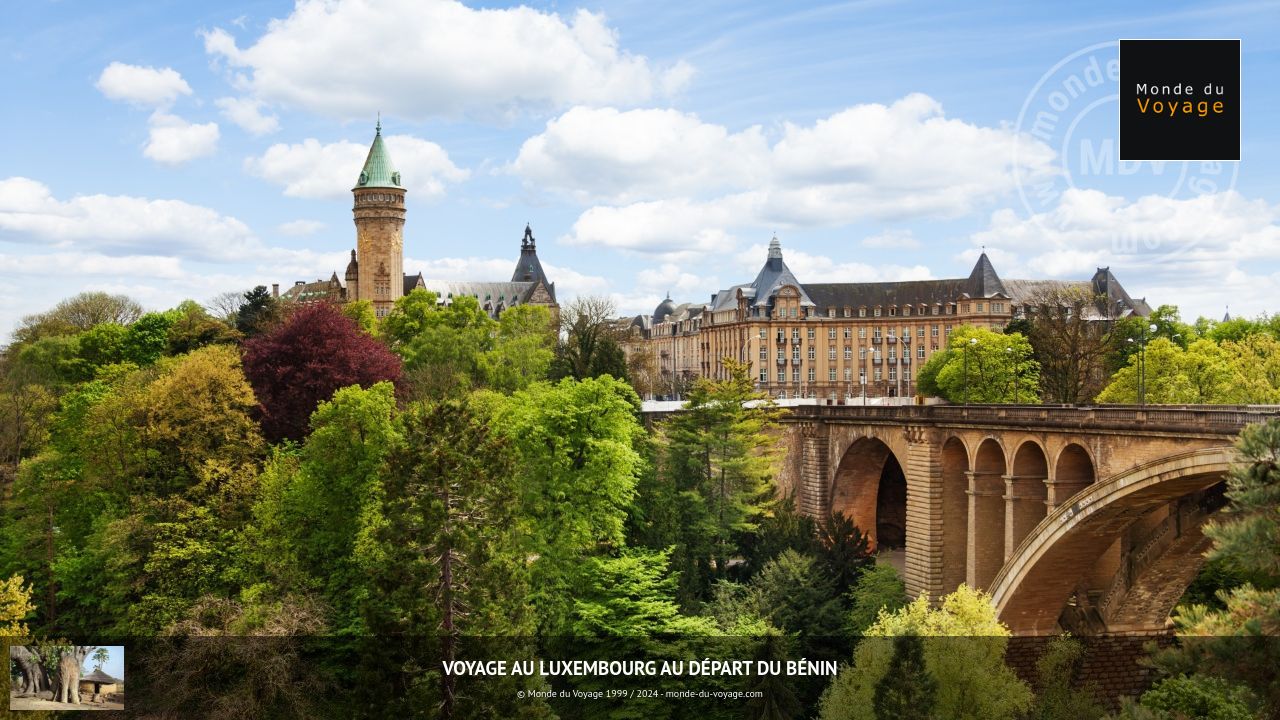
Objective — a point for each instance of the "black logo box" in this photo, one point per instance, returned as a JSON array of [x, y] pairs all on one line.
[[1160, 77]]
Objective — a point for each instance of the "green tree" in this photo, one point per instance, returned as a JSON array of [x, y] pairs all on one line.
[[843, 550], [720, 458], [147, 338], [78, 313], [442, 345], [1055, 698], [522, 349], [193, 327], [361, 311], [101, 345], [983, 366], [1198, 698], [257, 311], [796, 595], [907, 689], [1237, 643], [15, 606], [574, 478], [1166, 377], [590, 347], [878, 589], [630, 595], [1255, 367], [964, 647]]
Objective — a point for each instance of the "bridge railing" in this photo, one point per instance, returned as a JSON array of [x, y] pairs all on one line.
[[1210, 418]]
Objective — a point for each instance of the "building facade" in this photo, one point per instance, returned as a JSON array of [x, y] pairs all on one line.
[[376, 270], [835, 340]]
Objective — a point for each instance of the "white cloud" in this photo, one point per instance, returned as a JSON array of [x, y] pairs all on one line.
[[892, 240], [665, 179], [300, 227], [142, 85], [95, 264], [1187, 251], [674, 279], [347, 58], [174, 141], [248, 114], [118, 224], [313, 170], [810, 268], [619, 157]]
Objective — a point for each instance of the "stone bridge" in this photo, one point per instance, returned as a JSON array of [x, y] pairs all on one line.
[[1079, 518]]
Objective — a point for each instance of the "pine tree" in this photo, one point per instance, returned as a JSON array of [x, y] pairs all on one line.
[[907, 689]]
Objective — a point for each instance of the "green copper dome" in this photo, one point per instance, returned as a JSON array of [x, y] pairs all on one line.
[[378, 171]]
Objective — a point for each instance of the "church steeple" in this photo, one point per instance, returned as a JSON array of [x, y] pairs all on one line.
[[528, 268]]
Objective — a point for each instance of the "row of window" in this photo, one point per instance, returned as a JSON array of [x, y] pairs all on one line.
[[848, 353], [791, 310], [877, 375], [811, 333]]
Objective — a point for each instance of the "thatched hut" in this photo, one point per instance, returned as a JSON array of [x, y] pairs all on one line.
[[97, 685]]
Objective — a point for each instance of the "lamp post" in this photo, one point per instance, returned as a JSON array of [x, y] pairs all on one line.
[[972, 342], [1142, 362], [1013, 375]]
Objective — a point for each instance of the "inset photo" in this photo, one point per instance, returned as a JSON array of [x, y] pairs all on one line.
[[66, 677]]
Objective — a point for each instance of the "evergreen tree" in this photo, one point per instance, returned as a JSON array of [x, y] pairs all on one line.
[[720, 459], [907, 689], [257, 312]]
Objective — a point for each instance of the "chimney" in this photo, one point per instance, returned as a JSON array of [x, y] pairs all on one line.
[[275, 289]]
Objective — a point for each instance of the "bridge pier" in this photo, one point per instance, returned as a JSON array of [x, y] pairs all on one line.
[[926, 524], [986, 526], [1024, 508]]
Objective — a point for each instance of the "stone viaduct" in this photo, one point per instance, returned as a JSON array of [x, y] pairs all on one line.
[[1086, 519]]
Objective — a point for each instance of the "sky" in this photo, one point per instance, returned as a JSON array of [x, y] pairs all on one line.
[[114, 666], [171, 150]]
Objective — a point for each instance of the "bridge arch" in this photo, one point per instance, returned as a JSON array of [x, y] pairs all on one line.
[[870, 487], [986, 512], [955, 512], [1033, 587], [1073, 470], [1026, 493]]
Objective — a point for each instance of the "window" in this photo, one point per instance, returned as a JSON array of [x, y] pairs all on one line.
[[764, 353], [979, 307], [848, 333], [813, 352], [793, 311], [948, 332], [934, 348], [862, 333], [764, 375], [877, 312], [893, 354], [879, 375], [933, 331], [795, 353], [966, 308], [795, 375], [764, 334], [831, 312], [831, 375], [831, 333], [862, 376], [893, 310], [906, 310], [920, 351], [811, 331], [848, 353], [862, 312], [782, 376], [831, 353], [920, 331], [875, 334], [893, 374], [997, 307], [812, 375], [862, 353], [906, 375], [795, 334]]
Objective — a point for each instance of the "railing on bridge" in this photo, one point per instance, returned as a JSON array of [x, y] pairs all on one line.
[[1210, 418]]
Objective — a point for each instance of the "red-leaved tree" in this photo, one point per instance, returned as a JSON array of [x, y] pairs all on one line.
[[301, 362]]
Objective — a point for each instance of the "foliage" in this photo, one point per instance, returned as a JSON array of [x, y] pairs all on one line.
[[300, 363], [1244, 371], [720, 459], [780, 528], [590, 348], [192, 328], [1070, 342], [15, 606], [1055, 698], [631, 595], [76, 314], [994, 368], [1237, 643], [522, 349], [361, 311], [844, 552], [257, 312], [964, 648], [793, 593], [878, 589], [1199, 698], [907, 689], [575, 475], [147, 338]]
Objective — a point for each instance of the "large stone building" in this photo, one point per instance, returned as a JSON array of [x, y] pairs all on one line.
[[376, 271], [836, 340]]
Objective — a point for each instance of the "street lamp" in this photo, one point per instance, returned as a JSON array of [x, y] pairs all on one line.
[[1142, 362], [972, 342], [1013, 375]]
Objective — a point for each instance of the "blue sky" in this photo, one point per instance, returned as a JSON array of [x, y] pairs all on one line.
[[114, 666], [170, 150]]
